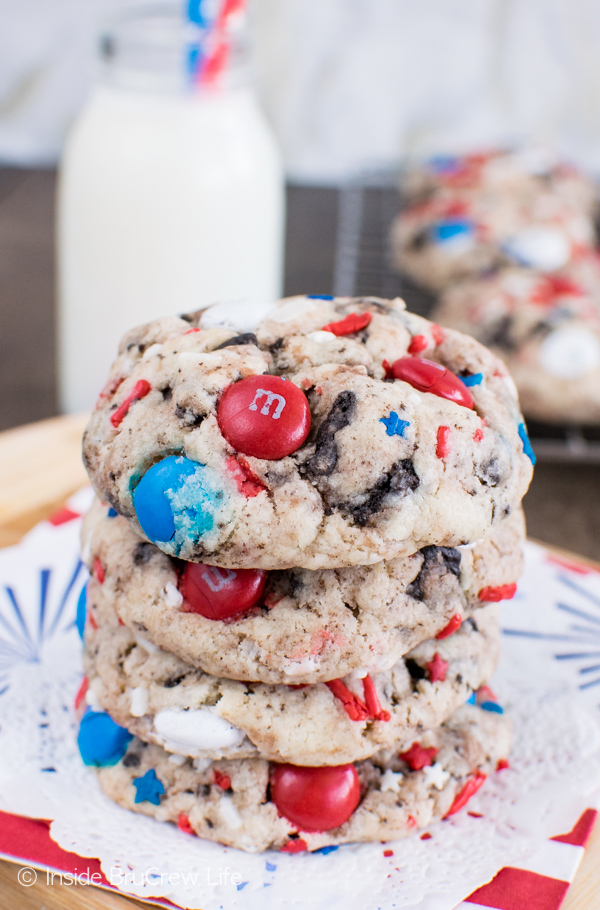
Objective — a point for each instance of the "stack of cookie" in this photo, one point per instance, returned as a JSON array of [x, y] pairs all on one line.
[[301, 533], [507, 242]]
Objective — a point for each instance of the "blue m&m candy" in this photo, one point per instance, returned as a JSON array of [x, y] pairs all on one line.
[[177, 499], [81, 611], [101, 741], [453, 230]]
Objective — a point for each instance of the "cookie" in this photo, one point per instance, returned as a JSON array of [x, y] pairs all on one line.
[[163, 700], [528, 171], [243, 803], [478, 219], [295, 625], [546, 329], [185, 440]]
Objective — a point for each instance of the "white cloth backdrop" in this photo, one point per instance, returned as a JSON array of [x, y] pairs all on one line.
[[348, 84]]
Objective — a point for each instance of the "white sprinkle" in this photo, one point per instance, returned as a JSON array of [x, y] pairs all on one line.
[[570, 352], [92, 699], [436, 776], [139, 701], [176, 759], [321, 337], [391, 781], [229, 812], [173, 596], [152, 351], [148, 646]]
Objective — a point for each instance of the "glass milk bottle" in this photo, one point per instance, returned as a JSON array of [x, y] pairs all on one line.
[[170, 192]]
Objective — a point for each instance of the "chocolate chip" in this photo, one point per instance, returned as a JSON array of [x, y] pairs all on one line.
[[446, 558], [471, 622], [416, 672], [131, 760], [167, 393], [400, 479], [142, 553], [246, 338], [325, 456], [209, 823], [188, 416], [173, 681], [187, 317]]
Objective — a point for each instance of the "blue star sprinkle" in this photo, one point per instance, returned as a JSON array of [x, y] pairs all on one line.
[[393, 425], [473, 379], [471, 700], [148, 788], [526, 444], [112, 513]]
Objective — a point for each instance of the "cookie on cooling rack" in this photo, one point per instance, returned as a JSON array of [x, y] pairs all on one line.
[[545, 328]]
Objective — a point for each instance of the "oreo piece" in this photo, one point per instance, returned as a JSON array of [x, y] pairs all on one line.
[[401, 478], [445, 558], [341, 414], [142, 553], [245, 338]]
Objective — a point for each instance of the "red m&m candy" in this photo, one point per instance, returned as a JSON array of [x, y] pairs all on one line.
[[427, 376], [264, 416], [220, 593], [315, 799]]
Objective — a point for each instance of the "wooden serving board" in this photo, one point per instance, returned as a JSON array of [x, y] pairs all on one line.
[[40, 466]]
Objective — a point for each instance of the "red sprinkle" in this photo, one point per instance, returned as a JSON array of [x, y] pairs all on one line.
[[246, 480], [499, 592], [389, 373], [372, 701], [484, 693], [454, 624], [183, 823], [475, 814], [417, 757], [464, 795], [81, 692], [354, 322], [438, 333], [140, 390], [351, 703], [411, 822], [99, 571], [388, 852], [478, 434], [91, 619], [190, 331], [437, 668], [221, 780], [502, 764], [294, 846], [442, 449], [426, 836], [418, 343]]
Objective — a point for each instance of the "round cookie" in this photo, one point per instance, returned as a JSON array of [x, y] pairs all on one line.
[[530, 170], [308, 625], [546, 329], [455, 235], [161, 699], [231, 802], [387, 468]]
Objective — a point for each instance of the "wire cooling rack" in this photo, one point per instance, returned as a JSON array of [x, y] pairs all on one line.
[[367, 207]]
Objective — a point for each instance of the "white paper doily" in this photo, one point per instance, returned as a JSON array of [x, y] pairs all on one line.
[[547, 682]]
